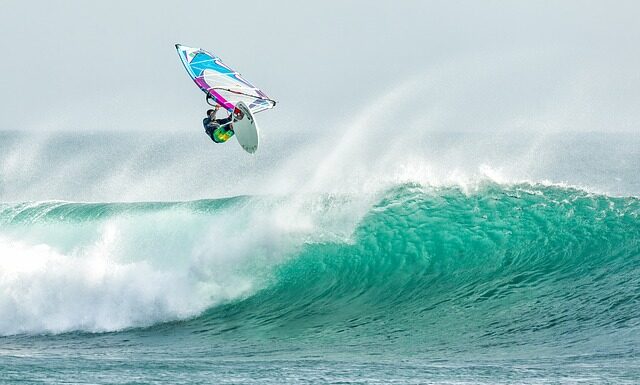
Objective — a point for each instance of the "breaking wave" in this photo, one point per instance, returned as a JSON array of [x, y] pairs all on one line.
[[502, 264]]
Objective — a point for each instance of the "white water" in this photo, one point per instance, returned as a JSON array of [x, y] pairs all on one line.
[[146, 265]]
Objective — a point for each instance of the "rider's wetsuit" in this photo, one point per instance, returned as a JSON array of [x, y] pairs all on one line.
[[219, 130]]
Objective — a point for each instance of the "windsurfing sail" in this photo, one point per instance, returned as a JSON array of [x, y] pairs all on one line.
[[222, 84]]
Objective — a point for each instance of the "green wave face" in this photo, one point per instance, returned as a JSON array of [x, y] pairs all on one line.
[[430, 269], [420, 269]]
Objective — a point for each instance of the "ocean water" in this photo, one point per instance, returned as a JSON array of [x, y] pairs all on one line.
[[518, 271]]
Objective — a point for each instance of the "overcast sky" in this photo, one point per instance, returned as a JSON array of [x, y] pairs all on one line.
[[94, 65]]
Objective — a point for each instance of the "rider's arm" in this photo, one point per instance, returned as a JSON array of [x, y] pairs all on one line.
[[213, 114]]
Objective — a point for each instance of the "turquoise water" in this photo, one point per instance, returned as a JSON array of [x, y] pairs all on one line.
[[502, 283]]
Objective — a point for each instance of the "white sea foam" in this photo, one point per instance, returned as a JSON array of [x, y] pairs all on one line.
[[147, 265]]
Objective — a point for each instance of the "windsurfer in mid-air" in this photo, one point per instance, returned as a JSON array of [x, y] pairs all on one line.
[[219, 130], [225, 89]]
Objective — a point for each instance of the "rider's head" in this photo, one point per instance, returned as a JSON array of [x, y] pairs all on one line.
[[209, 112]]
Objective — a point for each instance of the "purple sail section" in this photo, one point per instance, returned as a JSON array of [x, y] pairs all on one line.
[[218, 98]]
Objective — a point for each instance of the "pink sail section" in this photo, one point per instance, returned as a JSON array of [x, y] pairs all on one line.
[[215, 95]]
